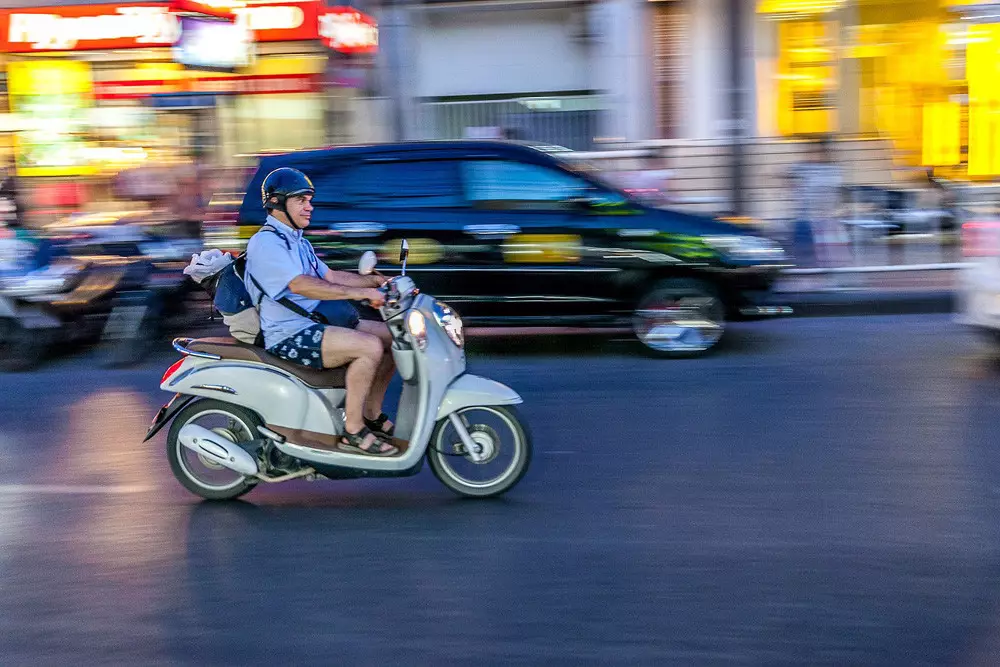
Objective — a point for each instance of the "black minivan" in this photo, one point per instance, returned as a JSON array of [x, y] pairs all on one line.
[[510, 234]]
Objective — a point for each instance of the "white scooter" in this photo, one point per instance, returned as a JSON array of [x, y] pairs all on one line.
[[242, 416]]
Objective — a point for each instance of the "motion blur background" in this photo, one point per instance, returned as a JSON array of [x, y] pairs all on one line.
[[818, 491], [719, 93]]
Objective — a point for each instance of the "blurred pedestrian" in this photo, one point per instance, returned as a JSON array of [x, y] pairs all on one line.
[[187, 206], [650, 182], [11, 210], [819, 237]]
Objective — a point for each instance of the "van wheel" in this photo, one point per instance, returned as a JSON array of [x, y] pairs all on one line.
[[680, 317]]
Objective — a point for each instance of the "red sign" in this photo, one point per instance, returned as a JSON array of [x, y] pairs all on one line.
[[87, 27], [282, 22], [271, 84], [150, 24], [347, 30], [205, 7]]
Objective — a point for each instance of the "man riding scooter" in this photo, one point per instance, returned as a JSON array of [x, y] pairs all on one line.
[[305, 315]]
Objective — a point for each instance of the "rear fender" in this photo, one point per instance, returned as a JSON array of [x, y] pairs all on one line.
[[166, 413]]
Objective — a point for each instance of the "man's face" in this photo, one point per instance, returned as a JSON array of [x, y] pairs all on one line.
[[300, 210]]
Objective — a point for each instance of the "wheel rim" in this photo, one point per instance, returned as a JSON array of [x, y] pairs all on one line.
[[204, 472], [679, 323], [501, 443]]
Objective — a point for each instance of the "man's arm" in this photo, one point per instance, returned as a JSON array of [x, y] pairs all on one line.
[[348, 279], [324, 290]]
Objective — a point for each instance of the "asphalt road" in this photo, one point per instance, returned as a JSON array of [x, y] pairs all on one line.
[[821, 492]]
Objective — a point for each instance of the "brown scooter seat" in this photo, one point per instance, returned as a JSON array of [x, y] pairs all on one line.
[[230, 348]]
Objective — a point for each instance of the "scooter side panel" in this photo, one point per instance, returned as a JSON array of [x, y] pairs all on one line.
[[280, 399], [472, 390]]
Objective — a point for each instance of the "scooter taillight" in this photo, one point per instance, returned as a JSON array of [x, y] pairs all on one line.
[[173, 369]]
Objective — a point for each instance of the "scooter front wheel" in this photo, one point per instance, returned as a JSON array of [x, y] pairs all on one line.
[[503, 445]]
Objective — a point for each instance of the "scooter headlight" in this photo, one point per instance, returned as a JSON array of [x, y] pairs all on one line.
[[450, 322], [417, 326]]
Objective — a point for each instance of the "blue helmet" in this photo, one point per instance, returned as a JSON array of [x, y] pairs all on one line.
[[281, 184]]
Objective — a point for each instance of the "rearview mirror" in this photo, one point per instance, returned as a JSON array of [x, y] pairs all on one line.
[[404, 252], [366, 265]]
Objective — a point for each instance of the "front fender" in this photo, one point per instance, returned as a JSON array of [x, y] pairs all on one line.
[[469, 390]]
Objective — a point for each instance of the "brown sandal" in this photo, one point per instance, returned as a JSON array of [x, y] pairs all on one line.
[[354, 443]]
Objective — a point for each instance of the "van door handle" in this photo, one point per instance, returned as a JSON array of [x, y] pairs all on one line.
[[491, 231], [356, 229]]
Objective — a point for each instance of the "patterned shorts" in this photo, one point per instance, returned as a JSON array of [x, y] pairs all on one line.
[[304, 348]]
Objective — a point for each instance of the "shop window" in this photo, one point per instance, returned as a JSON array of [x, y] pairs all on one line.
[[806, 77]]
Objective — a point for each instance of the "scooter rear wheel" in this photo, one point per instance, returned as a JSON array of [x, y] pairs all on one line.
[[502, 439], [198, 475]]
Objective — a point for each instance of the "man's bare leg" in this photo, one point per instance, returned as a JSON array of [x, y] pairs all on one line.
[[362, 353], [383, 374]]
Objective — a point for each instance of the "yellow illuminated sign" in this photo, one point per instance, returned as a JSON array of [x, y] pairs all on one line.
[[798, 6], [806, 77], [48, 77], [53, 97], [984, 100], [942, 134]]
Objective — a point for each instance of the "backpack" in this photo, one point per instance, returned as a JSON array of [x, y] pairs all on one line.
[[229, 295], [231, 299]]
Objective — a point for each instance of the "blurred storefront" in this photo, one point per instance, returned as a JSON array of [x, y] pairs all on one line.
[[529, 71], [94, 89], [922, 73]]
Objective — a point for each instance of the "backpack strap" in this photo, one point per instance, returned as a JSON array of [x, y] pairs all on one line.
[[284, 301], [313, 260], [269, 228]]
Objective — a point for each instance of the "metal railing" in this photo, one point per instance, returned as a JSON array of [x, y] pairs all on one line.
[[570, 121]]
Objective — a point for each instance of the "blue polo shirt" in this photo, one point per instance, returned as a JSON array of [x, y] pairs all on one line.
[[274, 263]]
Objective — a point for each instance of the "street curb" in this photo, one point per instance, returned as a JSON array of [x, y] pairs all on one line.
[[845, 304]]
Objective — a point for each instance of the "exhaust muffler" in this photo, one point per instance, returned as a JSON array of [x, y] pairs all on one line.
[[217, 449]]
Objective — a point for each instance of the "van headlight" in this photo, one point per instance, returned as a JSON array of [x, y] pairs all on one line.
[[746, 248], [450, 322]]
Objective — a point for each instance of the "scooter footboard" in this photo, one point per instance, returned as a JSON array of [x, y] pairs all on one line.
[[469, 390]]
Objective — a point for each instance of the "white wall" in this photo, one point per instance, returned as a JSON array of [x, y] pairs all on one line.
[[622, 60], [480, 53], [707, 79]]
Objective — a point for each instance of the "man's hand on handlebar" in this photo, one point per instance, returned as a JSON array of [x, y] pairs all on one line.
[[376, 279], [373, 297]]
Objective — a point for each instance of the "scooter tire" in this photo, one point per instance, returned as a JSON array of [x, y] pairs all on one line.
[[248, 417], [435, 458]]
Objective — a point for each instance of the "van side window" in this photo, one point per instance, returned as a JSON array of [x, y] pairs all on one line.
[[425, 184], [329, 183], [506, 185]]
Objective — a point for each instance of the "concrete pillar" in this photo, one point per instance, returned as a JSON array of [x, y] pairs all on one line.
[[622, 60], [848, 97], [396, 70], [707, 82]]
